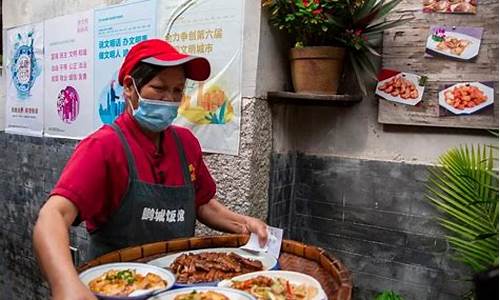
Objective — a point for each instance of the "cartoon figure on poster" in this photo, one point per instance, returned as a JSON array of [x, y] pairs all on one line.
[[111, 102], [68, 104], [25, 67]]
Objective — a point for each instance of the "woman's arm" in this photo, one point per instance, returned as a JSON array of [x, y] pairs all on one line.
[[51, 244], [215, 215]]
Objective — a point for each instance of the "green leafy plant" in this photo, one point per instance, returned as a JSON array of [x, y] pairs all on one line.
[[465, 189], [362, 26], [307, 22], [353, 24], [388, 295]]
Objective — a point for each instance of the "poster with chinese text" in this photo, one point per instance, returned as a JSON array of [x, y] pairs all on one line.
[[69, 94], [117, 29], [212, 29], [24, 80]]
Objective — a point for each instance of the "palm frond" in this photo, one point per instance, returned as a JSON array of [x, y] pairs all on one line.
[[464, 187]]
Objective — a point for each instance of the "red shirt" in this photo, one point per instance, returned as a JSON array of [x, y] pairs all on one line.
[[95, 178]]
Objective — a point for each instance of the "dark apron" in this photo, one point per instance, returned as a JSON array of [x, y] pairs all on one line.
[[148, 212]]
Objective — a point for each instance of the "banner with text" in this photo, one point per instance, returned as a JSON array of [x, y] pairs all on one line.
[[117, 29], [69, 89], [212, 29]]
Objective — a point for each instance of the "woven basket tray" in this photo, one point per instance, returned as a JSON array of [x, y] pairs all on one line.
[[329, 271]]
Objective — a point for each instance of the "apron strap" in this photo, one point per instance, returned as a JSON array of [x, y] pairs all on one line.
[[128, 152], [182, 157]]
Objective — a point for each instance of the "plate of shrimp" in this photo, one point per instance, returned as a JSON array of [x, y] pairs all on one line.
[[402, 88], [466, 98]]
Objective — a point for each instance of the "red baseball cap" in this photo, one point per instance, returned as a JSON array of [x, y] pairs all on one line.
[[161, 53]]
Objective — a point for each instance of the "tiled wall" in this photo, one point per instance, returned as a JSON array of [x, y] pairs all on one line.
[[373, 215], [29, 168]]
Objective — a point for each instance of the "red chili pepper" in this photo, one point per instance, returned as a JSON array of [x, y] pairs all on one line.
[[289, 291]]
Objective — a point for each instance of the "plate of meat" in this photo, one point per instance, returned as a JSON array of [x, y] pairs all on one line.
[[206, 267], [466, 98], [204, 293], [402, 88], [455, 44]]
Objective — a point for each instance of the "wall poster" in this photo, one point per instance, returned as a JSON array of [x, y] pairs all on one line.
[[117, 29], [212, 29], [69, 89], [24, 80]]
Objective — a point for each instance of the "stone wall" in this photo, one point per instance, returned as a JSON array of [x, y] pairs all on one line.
[[374, 217]]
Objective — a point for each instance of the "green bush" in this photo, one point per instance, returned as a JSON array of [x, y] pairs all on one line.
[[388, 295]]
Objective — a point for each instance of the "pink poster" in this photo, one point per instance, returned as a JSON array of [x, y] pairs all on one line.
[[69, 102]]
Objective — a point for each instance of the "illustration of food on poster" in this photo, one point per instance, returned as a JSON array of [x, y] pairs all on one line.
[[467, 98], [459, 43], [450, 6], [117, 29], [400, 87], [212, 29], [24, 80], [69, 94]]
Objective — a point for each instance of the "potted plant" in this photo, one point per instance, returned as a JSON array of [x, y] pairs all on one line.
[[323, 32]]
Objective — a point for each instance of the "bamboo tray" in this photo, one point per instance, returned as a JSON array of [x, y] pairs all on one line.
[[316, 262]]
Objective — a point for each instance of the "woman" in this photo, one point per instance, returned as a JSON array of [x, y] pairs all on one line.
[[137, 181]]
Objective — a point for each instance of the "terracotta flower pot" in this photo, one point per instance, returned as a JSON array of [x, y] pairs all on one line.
[[316, 70]]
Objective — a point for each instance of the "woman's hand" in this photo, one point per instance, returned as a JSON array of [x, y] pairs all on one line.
[[76, 291], [51, 244], [215, 215], [254, 225]]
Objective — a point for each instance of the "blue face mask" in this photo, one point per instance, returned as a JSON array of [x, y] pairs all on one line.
[[155, 115]]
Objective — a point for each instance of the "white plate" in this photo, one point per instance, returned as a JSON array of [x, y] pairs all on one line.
[[268, 261], [411, 77], [293, 277], [142, 269], [230, 293], [488, 91], [471, 51]]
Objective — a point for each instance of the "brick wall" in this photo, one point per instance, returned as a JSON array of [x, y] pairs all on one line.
[[29, 168], [373, 216]]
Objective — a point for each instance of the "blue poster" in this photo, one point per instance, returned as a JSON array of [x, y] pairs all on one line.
[[117, 29]]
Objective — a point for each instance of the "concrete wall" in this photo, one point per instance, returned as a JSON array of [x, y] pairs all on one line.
[[354, 132], [31, 166]]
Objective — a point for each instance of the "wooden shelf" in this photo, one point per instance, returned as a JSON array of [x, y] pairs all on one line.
[[313, 99]]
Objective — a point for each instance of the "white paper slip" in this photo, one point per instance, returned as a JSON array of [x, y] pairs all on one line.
[[273, 245]]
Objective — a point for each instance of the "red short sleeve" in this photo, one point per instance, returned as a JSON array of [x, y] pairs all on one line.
[[88, 183]]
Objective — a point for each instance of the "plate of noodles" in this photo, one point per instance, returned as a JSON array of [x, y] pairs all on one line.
[[127, 281], [277, 285]]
